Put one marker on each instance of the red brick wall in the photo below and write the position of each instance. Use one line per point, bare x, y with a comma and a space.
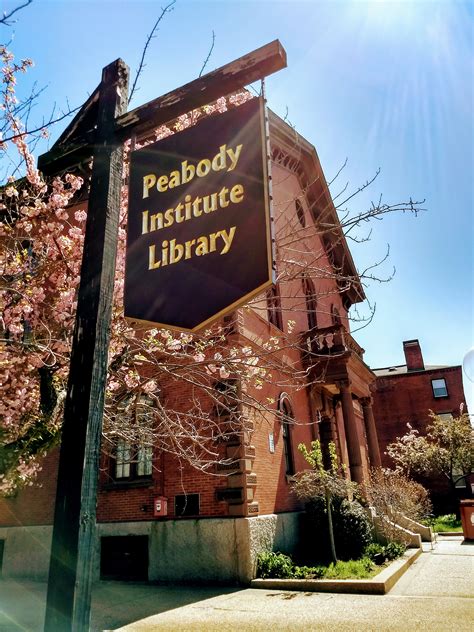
408, 398
33, 505
273, 491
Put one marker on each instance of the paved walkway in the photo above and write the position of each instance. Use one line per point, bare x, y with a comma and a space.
436, 594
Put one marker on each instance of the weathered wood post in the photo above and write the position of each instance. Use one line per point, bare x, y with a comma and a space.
74, 531
69, 586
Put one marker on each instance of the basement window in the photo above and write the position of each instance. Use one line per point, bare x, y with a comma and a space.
439, 388
186, 505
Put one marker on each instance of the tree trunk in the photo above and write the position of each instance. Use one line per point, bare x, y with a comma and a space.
331, 530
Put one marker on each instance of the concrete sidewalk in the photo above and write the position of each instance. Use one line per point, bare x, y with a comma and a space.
435, 594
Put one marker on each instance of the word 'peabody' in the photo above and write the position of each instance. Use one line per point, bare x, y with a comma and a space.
189, 171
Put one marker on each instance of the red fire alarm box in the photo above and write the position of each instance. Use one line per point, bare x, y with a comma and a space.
160, 506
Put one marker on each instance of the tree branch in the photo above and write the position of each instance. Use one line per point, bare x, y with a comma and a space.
141, 65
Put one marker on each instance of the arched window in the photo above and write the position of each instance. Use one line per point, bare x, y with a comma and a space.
336, 317
311, 302
274, 307
300, 213
286, 415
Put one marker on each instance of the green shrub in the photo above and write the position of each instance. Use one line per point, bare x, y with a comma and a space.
375, 552
274, 565
394, 550
448, 522
309, 572
352, 529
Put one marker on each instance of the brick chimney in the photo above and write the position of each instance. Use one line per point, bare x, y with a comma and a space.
413, 355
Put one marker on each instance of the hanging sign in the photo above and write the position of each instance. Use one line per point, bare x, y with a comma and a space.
198, 240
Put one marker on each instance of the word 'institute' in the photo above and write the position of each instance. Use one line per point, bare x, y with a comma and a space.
191, 208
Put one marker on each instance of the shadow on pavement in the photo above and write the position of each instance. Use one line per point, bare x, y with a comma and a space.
114, 603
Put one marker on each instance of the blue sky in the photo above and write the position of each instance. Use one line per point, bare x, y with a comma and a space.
385, 84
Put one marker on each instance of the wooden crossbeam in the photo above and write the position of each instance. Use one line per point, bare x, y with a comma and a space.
255, 65
259, 63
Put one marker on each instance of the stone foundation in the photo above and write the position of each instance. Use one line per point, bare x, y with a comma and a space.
200, 550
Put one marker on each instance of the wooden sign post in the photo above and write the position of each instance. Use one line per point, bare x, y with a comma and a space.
69, 585
99, 131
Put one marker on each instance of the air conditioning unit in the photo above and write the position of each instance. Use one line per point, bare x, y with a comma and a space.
160, 506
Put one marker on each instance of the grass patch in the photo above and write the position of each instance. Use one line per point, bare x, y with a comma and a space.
277, 565
352, 569
448, 522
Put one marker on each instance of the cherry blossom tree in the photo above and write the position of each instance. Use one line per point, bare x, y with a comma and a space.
150, 370
446, 449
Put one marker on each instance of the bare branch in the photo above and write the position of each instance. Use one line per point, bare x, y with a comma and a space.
208, 54
141, 65
7, 15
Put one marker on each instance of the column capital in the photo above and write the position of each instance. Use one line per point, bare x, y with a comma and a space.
366, 401
343, 384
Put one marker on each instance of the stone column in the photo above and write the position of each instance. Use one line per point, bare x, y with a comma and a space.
371, 432
352, 436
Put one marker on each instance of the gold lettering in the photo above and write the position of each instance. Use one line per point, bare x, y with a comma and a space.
219, 160
203, 168
202, 247
187, 248
236, 194
228, 238
176, 251
164, 253
152, 264
212, 241
162, 184
234, 156
156, 222
222, 199
187, 206
196, 210
169, 218
148, 182
187, 171
205, 203
174, 179
144, 222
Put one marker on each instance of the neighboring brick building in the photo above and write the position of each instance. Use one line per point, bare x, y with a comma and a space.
173, 523
405, 394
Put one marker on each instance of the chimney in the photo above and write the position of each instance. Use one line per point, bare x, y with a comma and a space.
413, 355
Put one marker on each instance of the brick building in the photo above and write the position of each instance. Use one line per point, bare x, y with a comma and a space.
174, 523
405, 394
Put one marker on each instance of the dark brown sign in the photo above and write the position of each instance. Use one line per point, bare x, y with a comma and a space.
198, 242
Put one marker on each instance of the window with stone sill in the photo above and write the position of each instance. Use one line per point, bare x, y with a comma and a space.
132, 456
225, 398
311, 302
274, 307
132, 462
300, 213
286, 415
439, 388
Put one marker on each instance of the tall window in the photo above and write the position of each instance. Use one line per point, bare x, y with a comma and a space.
274, 307
133, 455
132, 462
311, 302
226, 398
439, 387
286, 425
300, 213
336, 317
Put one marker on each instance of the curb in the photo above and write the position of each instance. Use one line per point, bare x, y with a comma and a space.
379, 585
449, 533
